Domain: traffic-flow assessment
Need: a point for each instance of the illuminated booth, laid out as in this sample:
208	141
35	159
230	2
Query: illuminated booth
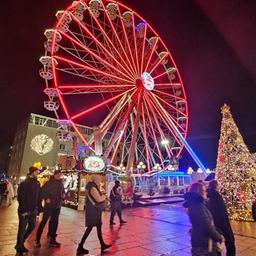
162	183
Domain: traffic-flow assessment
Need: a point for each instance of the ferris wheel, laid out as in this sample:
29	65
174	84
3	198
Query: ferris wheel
104	62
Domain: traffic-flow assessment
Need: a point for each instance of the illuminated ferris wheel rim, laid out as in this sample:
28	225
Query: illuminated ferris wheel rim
137	80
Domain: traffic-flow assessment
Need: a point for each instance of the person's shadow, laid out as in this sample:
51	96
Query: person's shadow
114	235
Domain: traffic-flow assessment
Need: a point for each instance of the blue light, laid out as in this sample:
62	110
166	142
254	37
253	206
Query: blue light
139	24
171	174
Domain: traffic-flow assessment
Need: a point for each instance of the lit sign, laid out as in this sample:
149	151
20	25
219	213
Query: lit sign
94	164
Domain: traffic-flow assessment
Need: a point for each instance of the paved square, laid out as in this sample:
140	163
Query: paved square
159	230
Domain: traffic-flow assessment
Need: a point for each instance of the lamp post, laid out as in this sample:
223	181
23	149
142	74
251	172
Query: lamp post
141	166
190	170
121	167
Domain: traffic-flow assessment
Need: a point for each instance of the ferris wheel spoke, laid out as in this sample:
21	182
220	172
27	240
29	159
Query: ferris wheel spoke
162	86
140	146
86	67
127	42
162	93
63	104
111	55
166	72
151	53
83	113
135	44
143	49
131	63
116	112
167	120
96	88
164	119
157	64
111	117
135	133
168	104
173	120
110	41
118	144
154	135
75	72
107	122
96	56
120	126
80	135
145	138
77	56
132	120
168	150
181	138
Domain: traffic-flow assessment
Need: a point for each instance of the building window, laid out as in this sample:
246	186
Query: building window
41	121
62	146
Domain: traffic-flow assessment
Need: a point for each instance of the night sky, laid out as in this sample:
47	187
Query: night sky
213	43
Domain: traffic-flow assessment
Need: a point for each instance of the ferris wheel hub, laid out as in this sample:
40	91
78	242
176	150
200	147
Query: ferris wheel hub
147	81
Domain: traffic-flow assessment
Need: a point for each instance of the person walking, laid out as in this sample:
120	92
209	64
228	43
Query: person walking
3	190
10	192
28	199
204	235
115	200
93	211
52	193
219	212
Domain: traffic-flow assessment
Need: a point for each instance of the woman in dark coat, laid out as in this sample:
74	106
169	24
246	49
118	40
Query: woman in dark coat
93	212
204	236
219	212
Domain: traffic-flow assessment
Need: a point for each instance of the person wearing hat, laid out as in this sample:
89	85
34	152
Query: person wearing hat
115	200
52	193
28	199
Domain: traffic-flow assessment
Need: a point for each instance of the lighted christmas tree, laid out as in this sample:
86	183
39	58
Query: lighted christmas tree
236	169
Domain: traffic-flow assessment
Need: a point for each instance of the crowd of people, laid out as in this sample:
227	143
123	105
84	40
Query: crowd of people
210	232
32	199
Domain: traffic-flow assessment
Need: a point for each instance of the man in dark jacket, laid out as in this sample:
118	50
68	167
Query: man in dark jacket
52	193
219	212
115	199
28	199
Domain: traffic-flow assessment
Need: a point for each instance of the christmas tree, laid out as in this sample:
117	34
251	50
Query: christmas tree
236	169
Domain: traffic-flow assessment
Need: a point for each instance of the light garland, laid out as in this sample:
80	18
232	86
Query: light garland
236	169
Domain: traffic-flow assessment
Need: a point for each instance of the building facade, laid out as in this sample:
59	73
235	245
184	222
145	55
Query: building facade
37	140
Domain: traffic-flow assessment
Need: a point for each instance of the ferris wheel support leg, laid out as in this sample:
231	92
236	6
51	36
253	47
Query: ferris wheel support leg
182	139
